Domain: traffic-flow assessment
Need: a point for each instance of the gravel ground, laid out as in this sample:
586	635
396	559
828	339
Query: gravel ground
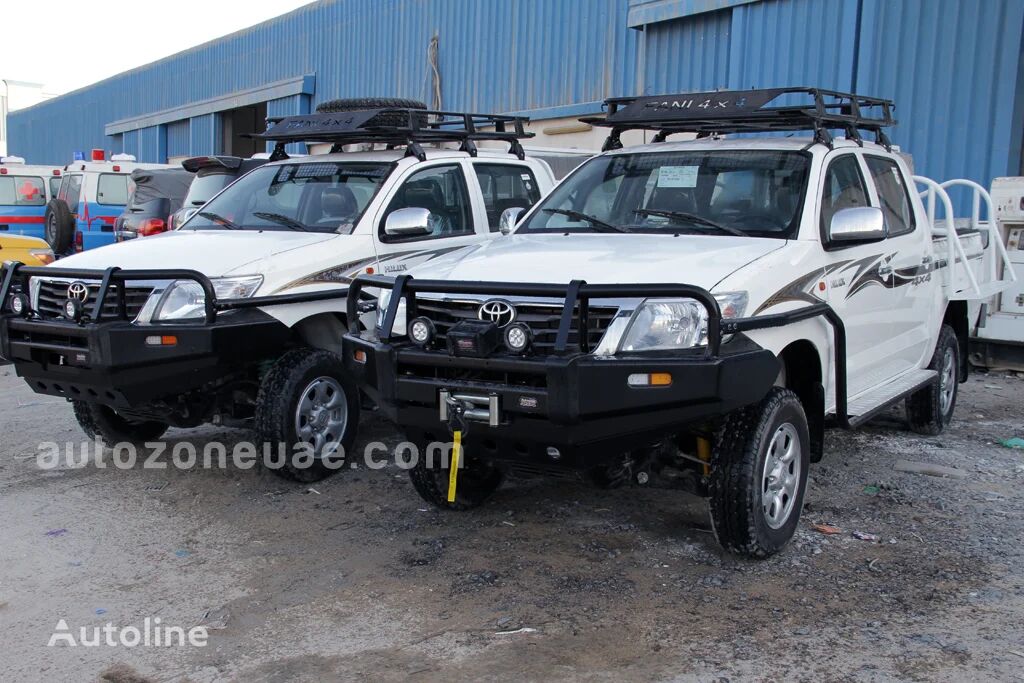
356	578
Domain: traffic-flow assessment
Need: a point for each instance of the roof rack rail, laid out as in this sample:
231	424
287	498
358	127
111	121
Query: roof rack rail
414	126
746	111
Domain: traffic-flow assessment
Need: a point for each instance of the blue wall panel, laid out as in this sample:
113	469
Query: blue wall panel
688	54
178	138
205	135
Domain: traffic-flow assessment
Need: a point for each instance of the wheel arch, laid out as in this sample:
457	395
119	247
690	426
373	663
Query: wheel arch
801	373
956	316
321	331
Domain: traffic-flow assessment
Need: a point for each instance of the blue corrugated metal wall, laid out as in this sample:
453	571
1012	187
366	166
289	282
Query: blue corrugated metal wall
954	67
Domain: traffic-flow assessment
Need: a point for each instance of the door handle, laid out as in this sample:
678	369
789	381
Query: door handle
926	260
885	271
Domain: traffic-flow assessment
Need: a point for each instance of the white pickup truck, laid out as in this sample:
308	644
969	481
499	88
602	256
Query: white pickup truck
239	313
691	311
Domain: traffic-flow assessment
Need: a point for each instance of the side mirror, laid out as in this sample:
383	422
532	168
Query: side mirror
857	224
509	218
411	221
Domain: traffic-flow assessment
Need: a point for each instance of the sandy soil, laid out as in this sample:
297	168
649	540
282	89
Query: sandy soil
357	579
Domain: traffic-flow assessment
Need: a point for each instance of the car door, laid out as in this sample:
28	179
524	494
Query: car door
908	266
458	216
504	185
855	278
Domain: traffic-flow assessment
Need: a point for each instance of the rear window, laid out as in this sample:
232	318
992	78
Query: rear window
22	191
54	185
113	188
204	187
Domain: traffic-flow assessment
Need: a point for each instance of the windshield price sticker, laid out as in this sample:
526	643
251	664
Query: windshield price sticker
678	176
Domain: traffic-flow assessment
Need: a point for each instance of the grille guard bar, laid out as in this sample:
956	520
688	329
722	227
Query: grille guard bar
13	271
577	295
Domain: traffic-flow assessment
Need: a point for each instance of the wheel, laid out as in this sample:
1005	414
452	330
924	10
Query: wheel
309	398
60	226
477	481
930	409
759	474
361	104
98	420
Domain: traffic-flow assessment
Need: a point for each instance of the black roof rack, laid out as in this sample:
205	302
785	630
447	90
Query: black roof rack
396	126
746	111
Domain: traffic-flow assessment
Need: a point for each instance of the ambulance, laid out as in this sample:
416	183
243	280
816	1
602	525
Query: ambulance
92	194
25	191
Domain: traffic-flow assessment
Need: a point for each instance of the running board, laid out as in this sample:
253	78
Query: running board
866	406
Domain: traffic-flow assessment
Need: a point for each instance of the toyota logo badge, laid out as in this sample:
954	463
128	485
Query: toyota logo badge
497	311
78	291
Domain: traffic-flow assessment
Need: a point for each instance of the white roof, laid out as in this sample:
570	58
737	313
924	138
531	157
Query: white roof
392	155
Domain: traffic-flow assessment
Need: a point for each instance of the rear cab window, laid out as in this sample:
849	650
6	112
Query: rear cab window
505	186
22	191
892	195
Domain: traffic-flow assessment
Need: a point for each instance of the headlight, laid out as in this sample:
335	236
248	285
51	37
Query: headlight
382	308
661	324
44	256
184	299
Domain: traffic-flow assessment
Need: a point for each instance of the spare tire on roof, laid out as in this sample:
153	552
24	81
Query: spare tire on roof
364	103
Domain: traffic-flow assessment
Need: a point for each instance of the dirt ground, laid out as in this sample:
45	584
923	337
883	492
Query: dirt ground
357	579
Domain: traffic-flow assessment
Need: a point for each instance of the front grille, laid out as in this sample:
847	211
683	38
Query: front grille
53	294
543	319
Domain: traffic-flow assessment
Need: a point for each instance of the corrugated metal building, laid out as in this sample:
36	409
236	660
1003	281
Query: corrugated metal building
954	67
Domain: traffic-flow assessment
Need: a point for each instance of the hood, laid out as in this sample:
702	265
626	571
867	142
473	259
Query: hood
703	260
211	252
20	242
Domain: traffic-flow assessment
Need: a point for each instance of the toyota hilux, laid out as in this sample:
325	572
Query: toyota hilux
689	312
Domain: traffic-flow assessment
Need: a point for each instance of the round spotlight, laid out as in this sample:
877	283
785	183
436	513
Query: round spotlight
518	338
19	304
73	309
421	331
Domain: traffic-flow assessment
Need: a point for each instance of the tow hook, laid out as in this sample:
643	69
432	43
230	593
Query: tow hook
464	408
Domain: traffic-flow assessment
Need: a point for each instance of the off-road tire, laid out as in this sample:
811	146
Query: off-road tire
59	226
477	482
362	104
737	464
277	401
925	414
98	420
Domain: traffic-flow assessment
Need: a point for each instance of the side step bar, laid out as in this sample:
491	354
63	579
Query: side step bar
870	404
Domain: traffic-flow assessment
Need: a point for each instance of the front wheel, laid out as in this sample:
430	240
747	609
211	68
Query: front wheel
759	474
930	409
477	481
308	407
100	421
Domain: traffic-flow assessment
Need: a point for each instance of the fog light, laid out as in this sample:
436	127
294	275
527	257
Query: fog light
554	453
19	304
518	338
73	309
421	331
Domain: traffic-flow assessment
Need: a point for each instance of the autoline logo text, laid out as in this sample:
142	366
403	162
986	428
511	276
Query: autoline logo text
151	634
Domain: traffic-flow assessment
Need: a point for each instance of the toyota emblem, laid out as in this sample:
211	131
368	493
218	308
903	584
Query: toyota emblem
78	291
497	311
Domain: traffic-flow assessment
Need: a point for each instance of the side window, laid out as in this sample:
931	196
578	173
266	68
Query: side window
71	191
440	190
505	186
892	193
22	191
844	188
112	188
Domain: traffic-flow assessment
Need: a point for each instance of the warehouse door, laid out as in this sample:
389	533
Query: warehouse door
237	123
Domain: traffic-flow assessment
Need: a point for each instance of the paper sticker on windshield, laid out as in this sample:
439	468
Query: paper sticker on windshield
678	176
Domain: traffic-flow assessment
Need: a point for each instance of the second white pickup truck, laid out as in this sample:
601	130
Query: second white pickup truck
691	311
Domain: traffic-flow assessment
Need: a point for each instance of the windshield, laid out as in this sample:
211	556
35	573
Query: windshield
307	197
728	192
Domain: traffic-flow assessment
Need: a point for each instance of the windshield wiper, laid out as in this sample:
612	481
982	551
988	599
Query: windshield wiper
218	219
692	218
281	219
596	223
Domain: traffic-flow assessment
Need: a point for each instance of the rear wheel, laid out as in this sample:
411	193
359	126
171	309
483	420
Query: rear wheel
477	481
60	226
759	474
102	421
930	409
308	404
